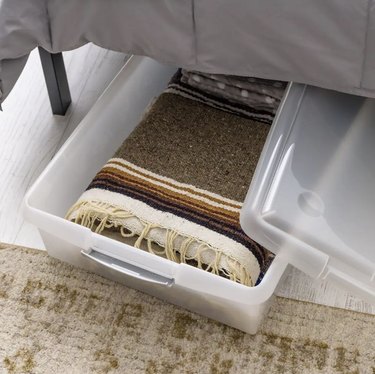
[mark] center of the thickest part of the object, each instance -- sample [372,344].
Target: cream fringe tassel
[89,214]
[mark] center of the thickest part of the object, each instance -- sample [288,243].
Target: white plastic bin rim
[312,197]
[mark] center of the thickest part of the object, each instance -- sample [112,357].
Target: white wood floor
[30,136]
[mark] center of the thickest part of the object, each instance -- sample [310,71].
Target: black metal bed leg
[56,80]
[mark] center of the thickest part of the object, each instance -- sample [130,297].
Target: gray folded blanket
[260,94]
[253,108]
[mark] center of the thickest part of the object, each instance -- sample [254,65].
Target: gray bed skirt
[327,43]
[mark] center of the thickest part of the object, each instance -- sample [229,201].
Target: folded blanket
[177,185]
[195,92]
[261,94]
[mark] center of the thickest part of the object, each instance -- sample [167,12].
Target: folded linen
[254,111]
[176,186]
[254,92]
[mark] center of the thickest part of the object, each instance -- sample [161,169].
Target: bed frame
[56,81]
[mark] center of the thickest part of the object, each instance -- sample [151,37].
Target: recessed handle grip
[126,268]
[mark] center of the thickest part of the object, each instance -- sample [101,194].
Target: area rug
[58,319]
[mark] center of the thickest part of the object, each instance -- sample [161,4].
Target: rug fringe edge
[89,213]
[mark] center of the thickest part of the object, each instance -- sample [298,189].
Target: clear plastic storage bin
[311,200]
[95,140]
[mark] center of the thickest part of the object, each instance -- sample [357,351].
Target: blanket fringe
[98,216]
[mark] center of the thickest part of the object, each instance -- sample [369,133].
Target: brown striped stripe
[257,250]
[165,197]
[221,213]
[187,189]
[171,194]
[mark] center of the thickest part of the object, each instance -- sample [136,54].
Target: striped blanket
[176,188]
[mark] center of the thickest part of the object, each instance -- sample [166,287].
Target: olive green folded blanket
[176,186]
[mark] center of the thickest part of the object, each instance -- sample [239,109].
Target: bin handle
[126,268]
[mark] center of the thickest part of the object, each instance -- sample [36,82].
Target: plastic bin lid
[312,198]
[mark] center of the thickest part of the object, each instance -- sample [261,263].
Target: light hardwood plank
[31,135]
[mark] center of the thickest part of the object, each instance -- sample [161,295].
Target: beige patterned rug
[58,319]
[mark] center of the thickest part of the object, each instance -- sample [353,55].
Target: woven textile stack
[176,185]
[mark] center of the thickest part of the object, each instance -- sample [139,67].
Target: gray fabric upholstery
[328,43]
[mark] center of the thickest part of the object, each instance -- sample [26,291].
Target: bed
[327,43]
